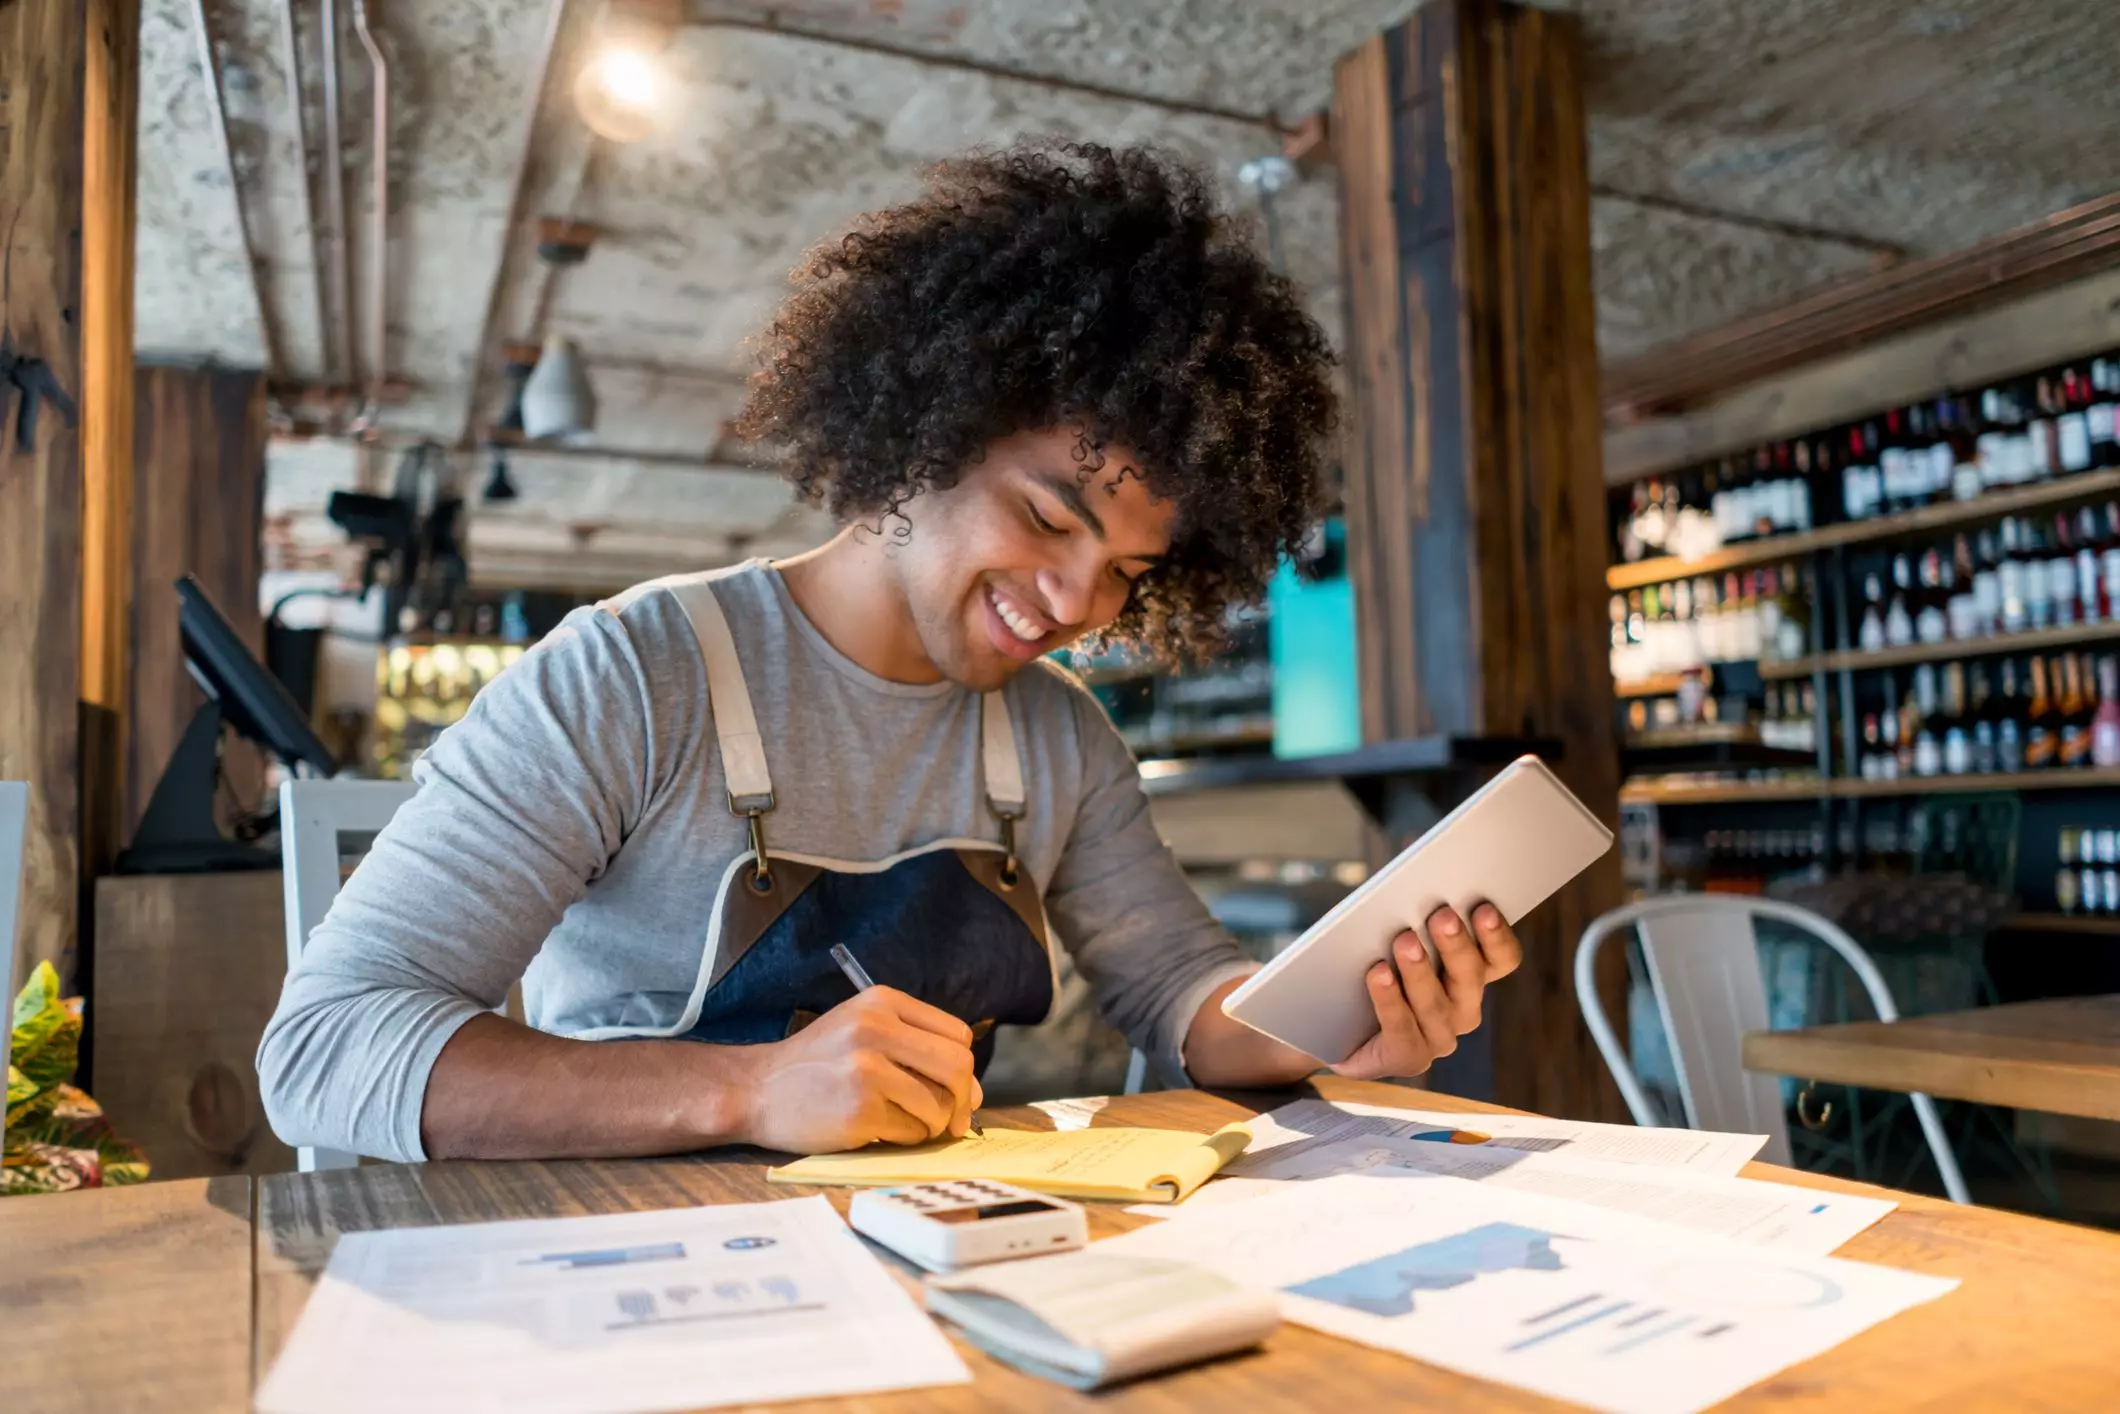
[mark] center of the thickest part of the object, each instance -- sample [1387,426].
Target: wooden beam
[2041,329]
[1866,309]
[43,54]
[110,141]
[1475,500]
[199,483]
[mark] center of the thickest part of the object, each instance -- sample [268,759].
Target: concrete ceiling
[1742,151]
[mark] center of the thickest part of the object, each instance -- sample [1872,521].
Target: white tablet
[1512,843]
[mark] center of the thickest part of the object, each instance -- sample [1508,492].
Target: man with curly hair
[1056,396]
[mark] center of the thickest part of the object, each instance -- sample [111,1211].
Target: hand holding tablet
[1508,847]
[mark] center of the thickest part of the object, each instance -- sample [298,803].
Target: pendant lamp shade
[558,403]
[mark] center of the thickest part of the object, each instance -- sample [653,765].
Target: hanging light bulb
[624,92]
[558,403]
[499,486]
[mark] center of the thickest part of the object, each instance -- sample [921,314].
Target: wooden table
[2060,1056]
[127,1298]
[2030,1329]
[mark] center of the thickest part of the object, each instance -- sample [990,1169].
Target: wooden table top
[2030,1329]
[2061,1056]
[112,1292]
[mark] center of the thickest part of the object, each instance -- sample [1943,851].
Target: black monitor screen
[252,700]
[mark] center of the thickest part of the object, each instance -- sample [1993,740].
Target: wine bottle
[2061,575]
[1983,715]
[2009,721]
[1987,585]
[1872,765]
[1793,630]
[2098,418]
[2041,430]
[1871,635]
[1893,463]
[1957,725]
[2105,722]
[1964,472]
[1991,443]
[2010,572]
[1855,480]
[2072,434]
[2041,740]
[2067,881]
[1961,607]
[2038,588]
[1893,754]
[2090,600]
[1931,600]
[2073,709]
[1899,617]
[1928,713]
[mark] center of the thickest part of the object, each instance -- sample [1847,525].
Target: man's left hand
[1428,994]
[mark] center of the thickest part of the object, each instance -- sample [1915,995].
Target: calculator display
[1015,1209]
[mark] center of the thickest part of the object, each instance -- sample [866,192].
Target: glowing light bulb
[619,93]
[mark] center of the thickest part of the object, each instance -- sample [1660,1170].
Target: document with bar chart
[1609,1310]
[741,1303]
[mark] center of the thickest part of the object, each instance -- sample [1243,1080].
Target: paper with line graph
[1752,1211]
[1306,1124]
[734,1304]
[1606,1309]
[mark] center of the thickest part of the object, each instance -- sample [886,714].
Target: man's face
[1029,551]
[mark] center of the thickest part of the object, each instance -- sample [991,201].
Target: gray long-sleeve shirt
[572,829]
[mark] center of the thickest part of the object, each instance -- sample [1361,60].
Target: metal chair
[1704,973]
[14,833]
[323,825]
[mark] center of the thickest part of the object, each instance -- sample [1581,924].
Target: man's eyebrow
[1069,490]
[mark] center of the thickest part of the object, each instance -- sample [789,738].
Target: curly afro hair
[1062,285]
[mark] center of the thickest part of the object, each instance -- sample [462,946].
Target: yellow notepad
[1130,1165]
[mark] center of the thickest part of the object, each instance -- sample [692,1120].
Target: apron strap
[743,751]
[997,750]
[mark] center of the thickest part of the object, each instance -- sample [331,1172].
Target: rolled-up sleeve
[519,806]
[1137,931]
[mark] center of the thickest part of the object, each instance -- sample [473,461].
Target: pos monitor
[178,834]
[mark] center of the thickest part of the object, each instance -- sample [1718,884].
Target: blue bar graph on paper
[610,1256]
[1555,1332]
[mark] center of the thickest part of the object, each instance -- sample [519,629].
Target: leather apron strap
[743,754]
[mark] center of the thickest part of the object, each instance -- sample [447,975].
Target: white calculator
[962,1223]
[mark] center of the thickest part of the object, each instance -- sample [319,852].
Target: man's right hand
[882,1067]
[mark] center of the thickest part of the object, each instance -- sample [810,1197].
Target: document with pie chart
[1606,1309]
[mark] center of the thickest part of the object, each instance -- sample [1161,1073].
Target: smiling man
[1056,396]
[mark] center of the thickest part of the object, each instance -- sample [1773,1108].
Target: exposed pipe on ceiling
[379,221]
[210,65]
[554,15]
[335,196]
[292,59]
[707,17]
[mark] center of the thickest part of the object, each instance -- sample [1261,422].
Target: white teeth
[1018,625]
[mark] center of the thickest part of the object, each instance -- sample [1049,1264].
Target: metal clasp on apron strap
[761,871]
[1008,816]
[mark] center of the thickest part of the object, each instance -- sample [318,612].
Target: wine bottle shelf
[2088,924]
[1662,685]
[1812,788]
[2063,491]
[1999,646]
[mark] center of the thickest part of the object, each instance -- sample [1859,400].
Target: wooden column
[1475,500]
[199,491]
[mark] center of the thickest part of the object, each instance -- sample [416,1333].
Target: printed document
[1606,1309]
[693,1307]
[1315,1123]
[1778,1215]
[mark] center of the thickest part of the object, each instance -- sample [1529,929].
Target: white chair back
[1703,966]
[14,836]
[316,817]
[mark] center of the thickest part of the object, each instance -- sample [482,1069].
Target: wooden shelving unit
[1811,788]
[1661,685]
[2062,491]
[1998,646]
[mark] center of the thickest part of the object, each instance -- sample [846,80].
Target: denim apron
[957,923]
